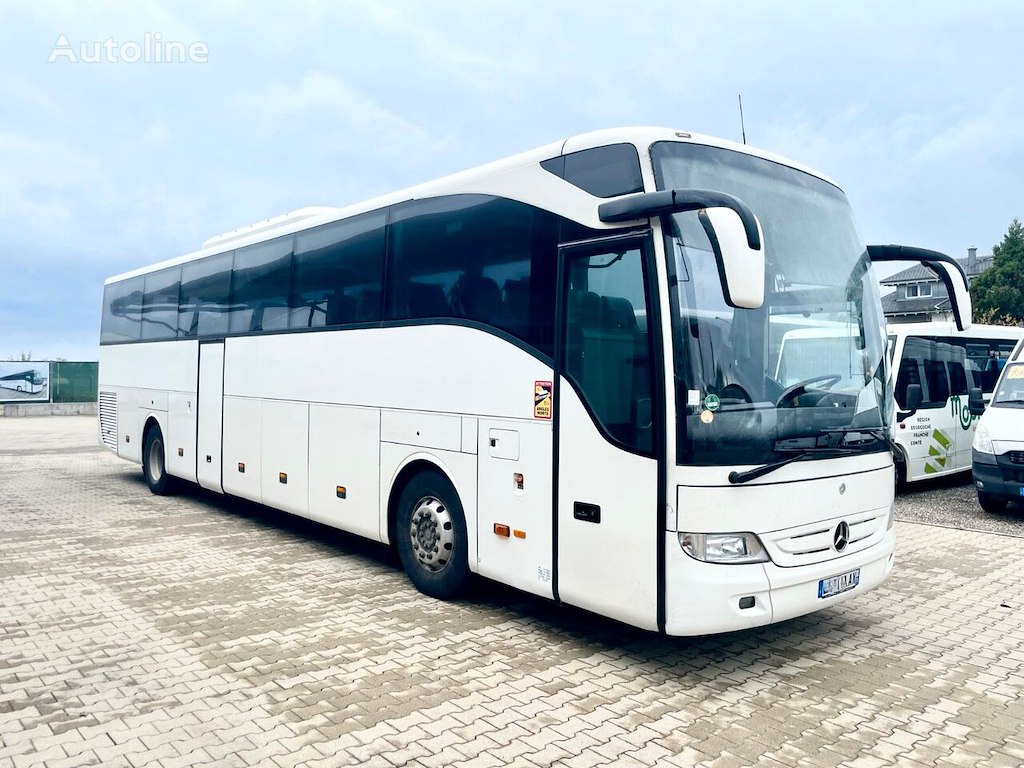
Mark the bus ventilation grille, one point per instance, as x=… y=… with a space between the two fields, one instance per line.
x=108 y=419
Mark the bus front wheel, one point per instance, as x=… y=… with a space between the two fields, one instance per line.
x=153 y=465
x=431 y=535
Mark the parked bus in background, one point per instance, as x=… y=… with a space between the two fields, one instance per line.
x=552 y=371
x=935 y=438
x=29 y=382
x=998 y=450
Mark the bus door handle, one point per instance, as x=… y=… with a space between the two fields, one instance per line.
x=588 y=513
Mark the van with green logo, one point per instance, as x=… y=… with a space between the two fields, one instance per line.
x=934 y=367
x=997 y=456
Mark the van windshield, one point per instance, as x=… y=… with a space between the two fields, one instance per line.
x=1010 y=391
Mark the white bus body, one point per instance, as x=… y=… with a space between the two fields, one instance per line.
x=502 y=372
x=935 y=439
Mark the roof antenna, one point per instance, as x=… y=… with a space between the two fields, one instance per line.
x=743 y=128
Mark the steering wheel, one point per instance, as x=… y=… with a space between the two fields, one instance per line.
x=735 y=392
x=800 y=387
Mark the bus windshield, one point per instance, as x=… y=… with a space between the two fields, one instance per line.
x=807 y=370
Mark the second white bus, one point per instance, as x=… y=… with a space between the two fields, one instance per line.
x=934 y=438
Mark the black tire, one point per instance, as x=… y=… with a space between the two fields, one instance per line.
x=901 y=476
x=431 y=536
x=154 y=464
x=990 y=503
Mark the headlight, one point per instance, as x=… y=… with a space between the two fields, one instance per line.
x=723 y=547
x=982 y=440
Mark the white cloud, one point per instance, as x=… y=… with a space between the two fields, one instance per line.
x=35 y=175
x=156 y=135
x=325 y=104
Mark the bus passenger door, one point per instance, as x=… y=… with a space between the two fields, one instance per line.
x=210 y=415
x=608 y=438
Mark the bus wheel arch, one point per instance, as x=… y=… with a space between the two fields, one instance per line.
x=154 y=458
x=427 y=525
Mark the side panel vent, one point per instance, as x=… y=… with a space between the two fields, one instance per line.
x=108 y=419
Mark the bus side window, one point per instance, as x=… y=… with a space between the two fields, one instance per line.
x=122 y=311
x=957 y=378
x=335 y=267
x=259 y=286
x=908 y=374
x=205 y=293
x=938 y=384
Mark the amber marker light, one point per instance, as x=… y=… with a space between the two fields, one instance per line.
x=501 y=529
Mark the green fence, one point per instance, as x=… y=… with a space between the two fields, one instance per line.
x=74 y=382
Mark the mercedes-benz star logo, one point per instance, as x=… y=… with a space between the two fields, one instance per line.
x=841 y=537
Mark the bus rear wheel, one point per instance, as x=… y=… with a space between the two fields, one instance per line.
x=431 y=534
x=154 y=467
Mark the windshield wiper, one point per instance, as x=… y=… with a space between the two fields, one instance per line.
x=752 y=474
x=830 y=441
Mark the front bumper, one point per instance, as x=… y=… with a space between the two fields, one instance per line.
x=996 y=476
x=704 y=598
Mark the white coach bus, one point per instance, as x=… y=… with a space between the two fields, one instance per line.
x=935 y=438
x=552 y=371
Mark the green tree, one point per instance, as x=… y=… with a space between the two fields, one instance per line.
x=998 y=293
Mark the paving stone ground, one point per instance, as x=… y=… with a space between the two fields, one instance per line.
x=145 y=631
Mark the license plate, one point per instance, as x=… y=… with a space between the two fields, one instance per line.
x=835 y=585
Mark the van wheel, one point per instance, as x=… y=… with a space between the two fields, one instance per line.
x=432 y=536
x=154 y=468
x=991 y=503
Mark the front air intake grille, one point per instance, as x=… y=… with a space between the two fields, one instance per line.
x=108 y=419
x=1016 y=457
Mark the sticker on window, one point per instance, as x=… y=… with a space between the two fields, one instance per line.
x=542 y=399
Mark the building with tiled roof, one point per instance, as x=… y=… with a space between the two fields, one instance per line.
x=920 y=296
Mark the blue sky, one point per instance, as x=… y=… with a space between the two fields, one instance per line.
x=914 y=108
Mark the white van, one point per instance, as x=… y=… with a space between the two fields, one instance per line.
x=997 y=457
x=943 y=364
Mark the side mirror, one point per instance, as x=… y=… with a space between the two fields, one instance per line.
x=946 y=268
x=913 y=402
x=740 y=267
x=733 y=229
x=975 y=401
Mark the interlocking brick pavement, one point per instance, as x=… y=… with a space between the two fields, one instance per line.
x=194 y=630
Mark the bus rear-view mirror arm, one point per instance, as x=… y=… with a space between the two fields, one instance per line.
x=946 y=268
x=732 y=228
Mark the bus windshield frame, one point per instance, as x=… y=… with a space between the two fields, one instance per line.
x=734 y=403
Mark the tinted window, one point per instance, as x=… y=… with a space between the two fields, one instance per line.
x=205 y=288
x=259 y=287
x=478 y=258
x=601 y=171
x=909 y=373
x=957 y=378
x=938 y=383
x=338 y=273
x=122 y=311
x=160 y=308
x=607 y=351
